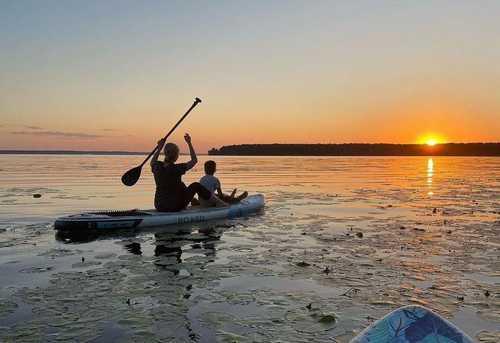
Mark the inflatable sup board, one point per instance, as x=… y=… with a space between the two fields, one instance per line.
x=412 y=324
x=106 y=220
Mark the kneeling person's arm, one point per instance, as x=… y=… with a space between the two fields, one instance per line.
x=194 y=159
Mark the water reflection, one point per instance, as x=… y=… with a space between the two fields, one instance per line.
x=430 y=174
x=170 y=249
x=134 y=248
x=430 y=170
x=86 y=236
x=171 y=244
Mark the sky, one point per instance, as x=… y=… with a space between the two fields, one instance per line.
x=117 y=75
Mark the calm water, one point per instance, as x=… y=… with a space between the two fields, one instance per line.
x=351 y=237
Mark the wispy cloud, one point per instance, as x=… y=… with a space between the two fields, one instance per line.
x=108 y=129
x=57 y=134
x=32 y=127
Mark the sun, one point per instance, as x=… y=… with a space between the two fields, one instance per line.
x=431 y=141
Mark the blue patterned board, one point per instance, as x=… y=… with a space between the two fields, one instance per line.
x=412 y=324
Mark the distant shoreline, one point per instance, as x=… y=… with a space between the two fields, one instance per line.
x=360 y=149
x=78 y=152
x=68 y=152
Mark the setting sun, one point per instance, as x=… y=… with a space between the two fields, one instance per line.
x=431 y=142
x=431 y=139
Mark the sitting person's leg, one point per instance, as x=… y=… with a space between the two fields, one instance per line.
x=231 y=199
x=207 y=203
x=203 y=194
x=233 y=193
x=242 y=196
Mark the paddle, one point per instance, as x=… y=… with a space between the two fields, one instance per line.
x=131 y=177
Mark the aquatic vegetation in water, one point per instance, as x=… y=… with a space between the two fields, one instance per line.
x=299 y=272
x=6 y=307
x=60 y=252
x=488 y=337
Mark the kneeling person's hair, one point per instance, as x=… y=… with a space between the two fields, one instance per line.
x=171 y=152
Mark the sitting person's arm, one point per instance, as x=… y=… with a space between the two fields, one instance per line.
x=219 y=192
x=157 y=153
x=221 y=195
x=190 y=164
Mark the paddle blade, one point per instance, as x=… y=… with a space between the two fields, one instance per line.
x=131 y=177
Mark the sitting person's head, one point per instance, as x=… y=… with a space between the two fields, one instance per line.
x=210 y=167
x=171 y=152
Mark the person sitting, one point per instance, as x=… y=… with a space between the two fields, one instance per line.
x=212 y=183
x=171 y=194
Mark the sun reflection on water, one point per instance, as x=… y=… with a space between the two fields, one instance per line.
x=430 y=174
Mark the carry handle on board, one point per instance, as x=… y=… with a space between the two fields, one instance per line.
x=131 y=177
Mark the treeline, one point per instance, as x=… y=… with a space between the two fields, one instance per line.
x=358 y=149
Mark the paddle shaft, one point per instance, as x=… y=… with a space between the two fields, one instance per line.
x=196 y=102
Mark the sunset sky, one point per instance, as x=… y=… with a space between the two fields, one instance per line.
x=116 y=75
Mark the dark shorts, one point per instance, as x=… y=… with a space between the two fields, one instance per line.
x=182 y=199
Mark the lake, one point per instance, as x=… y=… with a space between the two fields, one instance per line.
x=349 y=238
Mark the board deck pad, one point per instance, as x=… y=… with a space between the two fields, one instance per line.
x=412 y=324
x=125 y=213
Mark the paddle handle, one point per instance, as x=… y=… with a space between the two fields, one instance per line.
x=196 y=102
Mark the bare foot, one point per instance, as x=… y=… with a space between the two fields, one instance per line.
x=242 y=196
x=233 y=193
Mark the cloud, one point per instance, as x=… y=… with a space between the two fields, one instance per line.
x=57 y=134
x=33 y=127
x=108 y=129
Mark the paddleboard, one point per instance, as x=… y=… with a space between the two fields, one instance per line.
x=412 y=324
x=108 y=220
